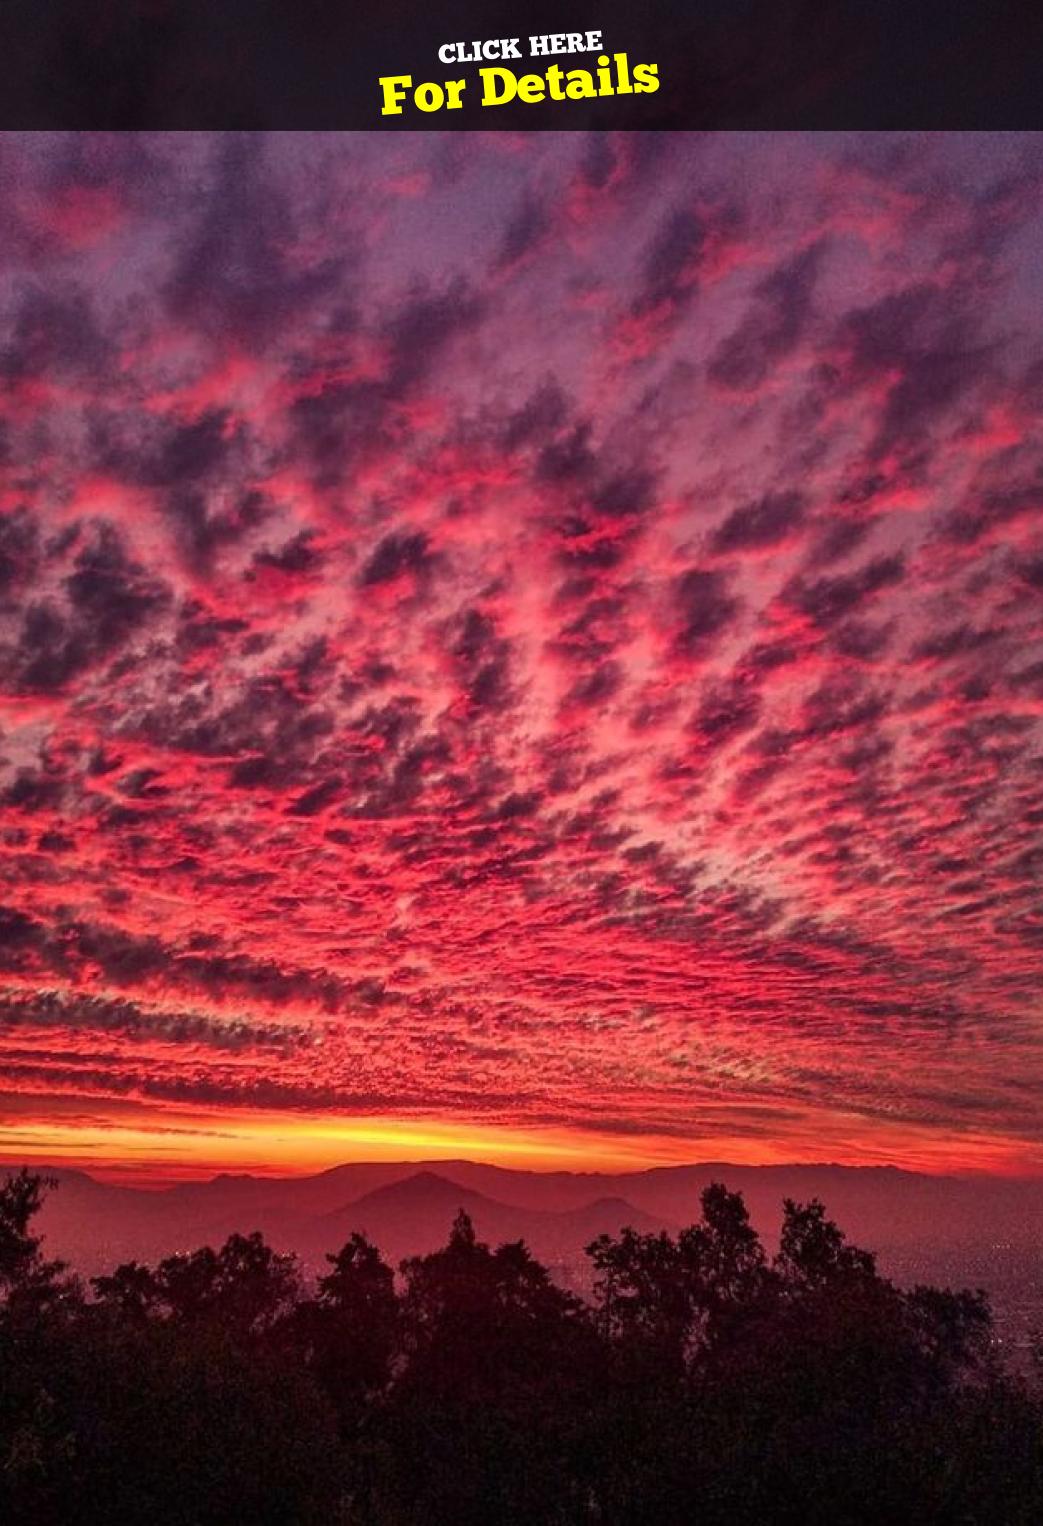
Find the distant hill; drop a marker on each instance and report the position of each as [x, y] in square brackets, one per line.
[407, 1207]
[412, 1216]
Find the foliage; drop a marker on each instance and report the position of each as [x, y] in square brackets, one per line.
[705, 1382]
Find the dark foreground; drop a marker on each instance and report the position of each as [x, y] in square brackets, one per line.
[704, 1385]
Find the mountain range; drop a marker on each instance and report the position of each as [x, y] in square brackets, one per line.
[406, 1208]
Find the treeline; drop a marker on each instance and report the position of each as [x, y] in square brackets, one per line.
[704, 1383]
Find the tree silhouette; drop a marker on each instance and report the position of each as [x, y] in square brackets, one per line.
[495, 1353]
[132, 1291]
[704, 1382]
[348, 1333]
[25, 1276]
[245, 1286]
[814, 1253]
[671, 1296]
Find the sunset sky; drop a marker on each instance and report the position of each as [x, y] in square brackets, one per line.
[527, 647]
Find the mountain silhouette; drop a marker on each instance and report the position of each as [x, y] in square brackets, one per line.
[411, 1217]
[406, 1207]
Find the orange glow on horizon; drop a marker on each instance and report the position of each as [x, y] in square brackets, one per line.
[154, 1151]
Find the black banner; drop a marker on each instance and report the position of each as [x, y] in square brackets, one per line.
[609, 64]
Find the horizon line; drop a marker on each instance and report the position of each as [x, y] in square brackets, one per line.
[125, 1175]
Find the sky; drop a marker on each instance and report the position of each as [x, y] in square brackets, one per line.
[521, 646]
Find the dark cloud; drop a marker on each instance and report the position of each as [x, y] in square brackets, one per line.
[726, 710]
[923, 344]
[545, 411]
[235, 273]
[625, 493]
[765, 522]
[773, 326]
[597, 686]
[842, 705]
[705, 605]
[54, 333]
[188, 452]
[336, 422]
[826, 600]
[110, 593]
[109, 599]
[20, 549]
[80, 1013]
[318, 798]
[482, 658]
[671, 262]
[989, 508]
[835, 541]
[528, 225]
[861, 640]
[568, 458]
[395, 556]
[297, 557]
[957, 641]
[421, 328]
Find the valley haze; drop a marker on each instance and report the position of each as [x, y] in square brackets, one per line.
[406, 1207]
